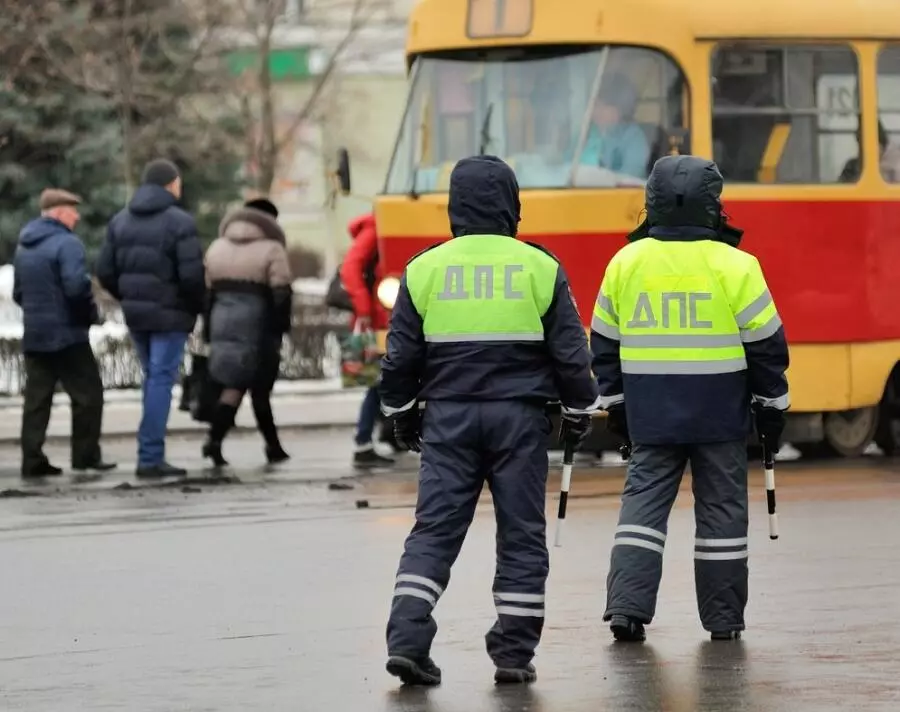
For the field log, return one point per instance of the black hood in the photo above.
(684, 191)
(149, 199)
(684, 200)
(484, 198)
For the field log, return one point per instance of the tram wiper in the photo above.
(485, 130)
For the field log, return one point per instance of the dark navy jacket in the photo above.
(152, 262)
(484, 200)
(53, 287)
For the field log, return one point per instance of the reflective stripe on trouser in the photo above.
(651, 485)
(720, 548)
(463, 443)
(719, 472)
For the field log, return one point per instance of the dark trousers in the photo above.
(76, 368)
(719, 483)
(467, 444)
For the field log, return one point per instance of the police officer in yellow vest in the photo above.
(485, 330)
(687, 344)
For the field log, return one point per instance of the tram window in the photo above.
(889, 112)
(786, 113)
(568, 116)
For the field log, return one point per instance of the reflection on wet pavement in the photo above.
(275, 598)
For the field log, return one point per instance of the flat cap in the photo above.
(56, 198)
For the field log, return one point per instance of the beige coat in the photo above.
(249, 281)
(251, 249)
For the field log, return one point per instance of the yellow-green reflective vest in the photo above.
(684, 307)
(482, 288)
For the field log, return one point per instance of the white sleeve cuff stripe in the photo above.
(388, 411)
(592, 408)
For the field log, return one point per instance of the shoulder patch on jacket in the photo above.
(542, 249)
(419, 254)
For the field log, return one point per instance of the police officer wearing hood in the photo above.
(687, 344)
(485, 330)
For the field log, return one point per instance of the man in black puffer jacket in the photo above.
(152, 262)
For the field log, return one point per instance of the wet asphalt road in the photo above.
(274, 597)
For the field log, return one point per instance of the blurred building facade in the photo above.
(360, 109)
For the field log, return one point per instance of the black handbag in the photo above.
(337, 297)
(204, 392)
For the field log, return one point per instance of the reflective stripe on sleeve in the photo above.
(748, 336)
(662, 368)
(755, 308)
(592, 408)
(781, 402)
(654, 341)
(605, 303)
(487, 336)
(608, 401)
(601, 327)
(387, 410)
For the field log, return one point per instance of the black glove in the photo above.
(616, 422)
(769, 426)
(574, 429)
(408, 429)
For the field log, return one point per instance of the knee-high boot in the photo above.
(222, 422)
(265, 421)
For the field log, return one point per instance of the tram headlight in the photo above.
(387, 292)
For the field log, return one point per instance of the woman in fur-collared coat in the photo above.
(249, 285)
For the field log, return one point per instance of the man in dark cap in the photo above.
(686, 343)
(53, 287)
(485, 330)
(152, 262)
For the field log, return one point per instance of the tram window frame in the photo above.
(889, 159)
(802, 156)
(508, 18)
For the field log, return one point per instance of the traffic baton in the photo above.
(568, 457)
(769, 464)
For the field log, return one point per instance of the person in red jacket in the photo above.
(360, 275)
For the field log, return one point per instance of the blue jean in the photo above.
(368, 416)
(161, 354)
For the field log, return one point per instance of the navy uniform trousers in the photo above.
(719, 483)
(466, 444)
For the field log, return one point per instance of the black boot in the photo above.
(725, 635)
(627, 630)
(420, 671)
(275, 454)
(222, 420)
(40, 470)
(265, 423)
(365, 457)
(522, 675)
